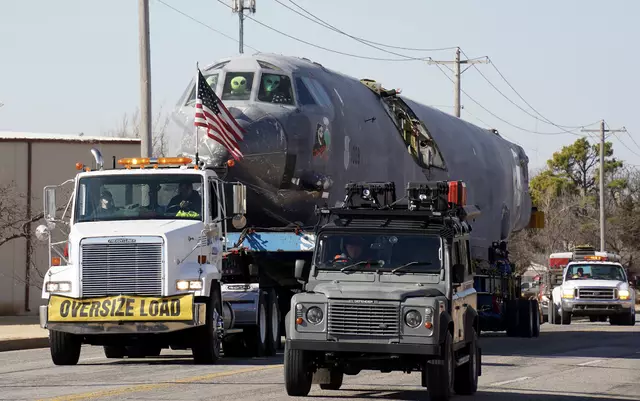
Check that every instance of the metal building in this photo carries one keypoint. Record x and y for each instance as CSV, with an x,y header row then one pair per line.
x,y
28,162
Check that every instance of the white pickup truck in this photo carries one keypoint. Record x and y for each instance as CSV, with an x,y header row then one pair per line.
x,y
596,286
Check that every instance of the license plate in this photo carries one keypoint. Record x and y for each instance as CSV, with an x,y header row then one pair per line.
x,y
120,308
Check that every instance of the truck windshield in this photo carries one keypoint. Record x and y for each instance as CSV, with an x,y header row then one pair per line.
x,y
400,253
139,197
597,272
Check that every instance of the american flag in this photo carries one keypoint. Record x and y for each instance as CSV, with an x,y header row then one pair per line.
x,y
214,116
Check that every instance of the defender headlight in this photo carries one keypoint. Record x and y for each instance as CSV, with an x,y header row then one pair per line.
x,y
58,286
413,318
185,285
314,315
567,293
623,294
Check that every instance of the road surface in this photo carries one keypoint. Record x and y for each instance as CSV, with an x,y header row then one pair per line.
x,y
583,361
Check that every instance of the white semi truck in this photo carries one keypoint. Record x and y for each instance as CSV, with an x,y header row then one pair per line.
x,y
591,284
136,259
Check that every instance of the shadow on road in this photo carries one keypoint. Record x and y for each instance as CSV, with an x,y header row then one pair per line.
x,y
186,359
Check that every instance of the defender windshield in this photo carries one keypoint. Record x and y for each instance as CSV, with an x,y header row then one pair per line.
x,y
597,272
400,253
139,197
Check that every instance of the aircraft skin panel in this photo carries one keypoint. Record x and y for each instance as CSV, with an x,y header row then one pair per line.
x,y
337,130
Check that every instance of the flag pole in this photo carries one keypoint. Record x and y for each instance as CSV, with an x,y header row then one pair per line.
x,y
196,110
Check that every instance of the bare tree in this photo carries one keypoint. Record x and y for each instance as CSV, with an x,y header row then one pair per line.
x,y
129,127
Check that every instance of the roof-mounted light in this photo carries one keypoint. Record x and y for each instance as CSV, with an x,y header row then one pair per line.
x,y
144,161
371,194
432,195
595,257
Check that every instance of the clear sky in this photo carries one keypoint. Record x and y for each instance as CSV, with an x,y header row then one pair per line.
x,y
71,66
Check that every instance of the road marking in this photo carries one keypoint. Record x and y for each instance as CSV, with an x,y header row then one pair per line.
x,y
590,362
519,379
156,386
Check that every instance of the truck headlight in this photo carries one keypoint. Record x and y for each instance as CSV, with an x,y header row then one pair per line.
x,y
567,293
58,286
623,294
413,318
314,315
185,285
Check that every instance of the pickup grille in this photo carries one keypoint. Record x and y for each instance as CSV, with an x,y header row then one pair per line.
x,y
596,293
122,268
363,319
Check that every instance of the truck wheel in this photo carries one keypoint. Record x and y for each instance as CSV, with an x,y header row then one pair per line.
x,y
593,319
207,341
525,326
602,319
336,377
565,317
438,375
535,310
512,317
466,376
233,346
273,334
297,373
65,347
114,351
256,336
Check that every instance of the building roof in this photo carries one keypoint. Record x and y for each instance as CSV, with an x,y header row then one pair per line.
x,y
9,136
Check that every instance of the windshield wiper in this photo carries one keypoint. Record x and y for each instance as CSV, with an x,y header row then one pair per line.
x,y
362,262
415,262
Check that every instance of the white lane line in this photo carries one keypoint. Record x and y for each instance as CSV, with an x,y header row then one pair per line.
x,y
590,362
519,379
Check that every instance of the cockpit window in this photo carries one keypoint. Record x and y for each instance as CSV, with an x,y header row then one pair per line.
x,y
275,88
304,95
212,80
237,86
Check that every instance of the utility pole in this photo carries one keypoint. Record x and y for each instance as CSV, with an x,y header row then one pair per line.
x,y
145,79
238,6
602,132
456,74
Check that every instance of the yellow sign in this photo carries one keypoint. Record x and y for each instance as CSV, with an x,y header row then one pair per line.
x,y
120,308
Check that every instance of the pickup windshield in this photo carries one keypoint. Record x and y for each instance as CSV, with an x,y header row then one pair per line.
x,y
397,253
595,272
139,197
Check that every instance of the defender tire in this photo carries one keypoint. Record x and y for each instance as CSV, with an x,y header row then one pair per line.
x,y
297,373
256,337
336,378
115,351
206,346
65,347
438,375
273,321
466,376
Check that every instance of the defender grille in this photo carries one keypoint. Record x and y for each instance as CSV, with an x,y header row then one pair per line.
x,y
596,293
123,268
363,319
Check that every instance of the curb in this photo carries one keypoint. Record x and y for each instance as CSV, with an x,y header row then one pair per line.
x,y
24,343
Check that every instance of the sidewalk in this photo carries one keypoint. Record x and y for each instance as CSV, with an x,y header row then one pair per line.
x,y
22,332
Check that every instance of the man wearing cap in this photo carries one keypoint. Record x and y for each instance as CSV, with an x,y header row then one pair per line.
x,y
352,249
187,199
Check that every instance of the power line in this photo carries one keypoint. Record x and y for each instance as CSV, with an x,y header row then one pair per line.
x,y
205,25
317,46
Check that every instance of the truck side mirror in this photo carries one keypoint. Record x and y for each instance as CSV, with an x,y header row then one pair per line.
x,y
239,199
299,270
50,203
458,273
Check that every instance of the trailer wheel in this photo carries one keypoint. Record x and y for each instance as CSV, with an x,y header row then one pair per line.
x,y
438,375
207,342
273,334
256,336
525,326
297,372
65,347
512,317
466,376
114,351
335,377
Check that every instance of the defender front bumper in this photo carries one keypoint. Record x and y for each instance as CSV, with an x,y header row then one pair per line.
x,y
124,327
595,307
368,348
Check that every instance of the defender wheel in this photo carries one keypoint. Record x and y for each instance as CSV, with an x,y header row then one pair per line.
x,y
65,347
256,337
336,378
297,372
273,334
438,375
466,376
114,351
207,342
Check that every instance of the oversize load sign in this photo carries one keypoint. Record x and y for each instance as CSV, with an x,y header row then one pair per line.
x,y
121,308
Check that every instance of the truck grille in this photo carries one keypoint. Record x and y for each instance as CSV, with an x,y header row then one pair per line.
x,y
363,319
122,268
596,293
